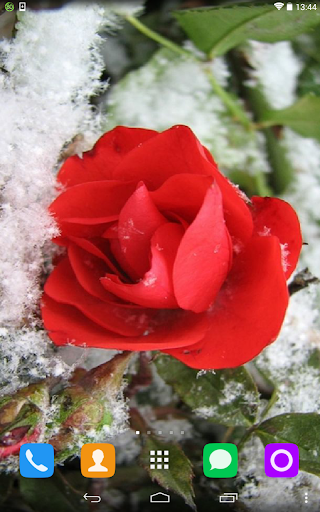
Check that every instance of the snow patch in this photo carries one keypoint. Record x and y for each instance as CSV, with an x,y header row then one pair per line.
x,y
261,493
276,68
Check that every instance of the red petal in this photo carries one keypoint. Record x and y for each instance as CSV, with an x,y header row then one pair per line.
x,y
98,200
248,312
89,267
203,257
236,212
276,217
66,325
182,194
155,290
63,287
178,151
100,248
138,220
174,151
122,261
99,163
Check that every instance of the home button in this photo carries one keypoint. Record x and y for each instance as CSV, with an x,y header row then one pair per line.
x,y
160,497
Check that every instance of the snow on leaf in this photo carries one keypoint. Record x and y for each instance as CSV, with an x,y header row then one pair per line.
x,y
226,397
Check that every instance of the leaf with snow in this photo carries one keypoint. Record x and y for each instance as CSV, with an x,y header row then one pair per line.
x,y
228,397
178,477
300,429
302,117
216,30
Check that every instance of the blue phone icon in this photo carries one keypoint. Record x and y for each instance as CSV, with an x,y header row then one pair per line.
x,y
36,460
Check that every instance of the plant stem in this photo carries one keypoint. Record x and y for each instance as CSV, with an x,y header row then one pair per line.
x,y
227,434
261,185
234,108
158,38
245,438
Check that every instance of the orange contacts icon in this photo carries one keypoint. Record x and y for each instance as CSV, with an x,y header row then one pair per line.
x,y
98,460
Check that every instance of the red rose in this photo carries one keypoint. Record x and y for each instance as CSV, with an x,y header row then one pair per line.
x,y
164,253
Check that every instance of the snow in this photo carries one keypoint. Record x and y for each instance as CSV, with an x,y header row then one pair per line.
x,y
261,493
304,193
53,67
276,69
287,361
291,362
116,10
26,355
171,90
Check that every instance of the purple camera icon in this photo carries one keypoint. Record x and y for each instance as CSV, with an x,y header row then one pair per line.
x,y
281,460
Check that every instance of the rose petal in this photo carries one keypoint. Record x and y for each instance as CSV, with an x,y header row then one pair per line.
x,y
178,151
100,248
182,194
236,212
67,325
138,220
62,286
174,151
203,257
155,290
99,163
100,200
275,217
248,312
89,268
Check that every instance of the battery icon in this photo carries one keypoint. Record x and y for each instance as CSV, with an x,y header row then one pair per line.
x,y
289,6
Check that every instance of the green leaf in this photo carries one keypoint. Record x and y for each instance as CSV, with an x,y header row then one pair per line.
x,y
228,397
178,477
216,30
300,429
6,485
302,117
309,80
53,494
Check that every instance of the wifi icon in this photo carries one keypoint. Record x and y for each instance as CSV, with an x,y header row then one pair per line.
x,y
278,5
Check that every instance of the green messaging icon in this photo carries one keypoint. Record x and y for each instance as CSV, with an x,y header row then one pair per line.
x,y
9,6
220,460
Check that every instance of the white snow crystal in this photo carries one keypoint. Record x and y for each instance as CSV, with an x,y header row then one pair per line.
x,y
53,67
276,69
304,192
286,361
26,355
